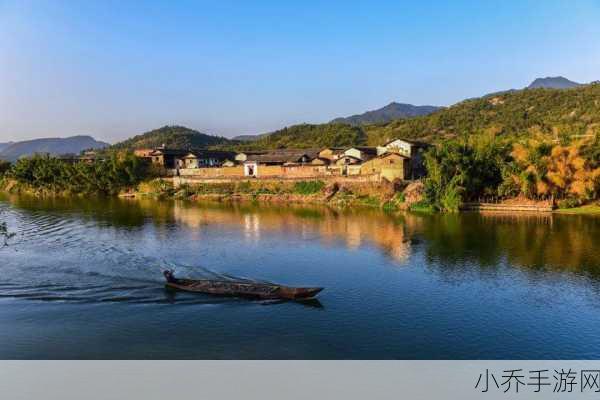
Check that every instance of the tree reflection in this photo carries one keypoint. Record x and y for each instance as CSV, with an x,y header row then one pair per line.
x,y
533,242
451,242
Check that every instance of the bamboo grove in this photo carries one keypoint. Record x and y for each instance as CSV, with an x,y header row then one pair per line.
x,y
476,167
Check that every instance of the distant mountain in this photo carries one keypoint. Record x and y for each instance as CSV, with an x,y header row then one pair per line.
x,y
557,82
388,113
5,145
553,114
171,136
53,146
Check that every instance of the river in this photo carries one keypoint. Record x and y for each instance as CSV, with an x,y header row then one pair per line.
x,y
82,280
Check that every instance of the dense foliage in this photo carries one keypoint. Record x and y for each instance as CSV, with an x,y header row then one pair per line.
x,y
178,137
308,187
4,167
386,114
551,113
309,136
102,177
556,114
462,170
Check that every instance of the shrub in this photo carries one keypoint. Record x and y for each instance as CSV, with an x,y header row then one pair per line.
x,y
422,206
4,167
451,198
308,187
568,203
102,177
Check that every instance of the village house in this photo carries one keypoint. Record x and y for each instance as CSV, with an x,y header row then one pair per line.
x,y
396,159
320,161
347,160
411,149
331,153
390,166
362,153
90,157
69,158
267,163
206,158
168,158
143,153
241,157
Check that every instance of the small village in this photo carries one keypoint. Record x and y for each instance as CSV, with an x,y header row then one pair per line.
x,y
398,159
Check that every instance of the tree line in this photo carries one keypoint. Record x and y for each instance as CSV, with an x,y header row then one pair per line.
x,y
43,172
474,167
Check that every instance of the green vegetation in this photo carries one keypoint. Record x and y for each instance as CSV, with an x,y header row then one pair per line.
x,y
537,144
255,188
463,170
394,203
178,137
308,187
4,167
368,201
553,114
422,207
587,209
536,169
308,136
52,175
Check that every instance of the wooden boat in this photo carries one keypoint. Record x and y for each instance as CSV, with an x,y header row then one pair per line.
x,y
240,289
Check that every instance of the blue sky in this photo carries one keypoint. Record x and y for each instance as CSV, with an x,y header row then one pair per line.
x,y
113,69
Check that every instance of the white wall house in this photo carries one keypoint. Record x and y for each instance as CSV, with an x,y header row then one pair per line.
x,y
399,146
250,168
362,153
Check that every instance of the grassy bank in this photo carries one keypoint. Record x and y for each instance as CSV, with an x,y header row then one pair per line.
x,y
591,209
363,194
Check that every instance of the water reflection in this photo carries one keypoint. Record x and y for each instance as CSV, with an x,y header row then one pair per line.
x,y
488,241
534,242
330,227
408,286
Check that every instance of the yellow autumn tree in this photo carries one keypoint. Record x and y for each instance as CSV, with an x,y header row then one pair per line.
x,y
569,174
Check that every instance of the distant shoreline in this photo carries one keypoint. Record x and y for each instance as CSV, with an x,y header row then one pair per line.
x,y
343,195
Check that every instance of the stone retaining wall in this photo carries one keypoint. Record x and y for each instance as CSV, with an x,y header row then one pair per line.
x,y
190,180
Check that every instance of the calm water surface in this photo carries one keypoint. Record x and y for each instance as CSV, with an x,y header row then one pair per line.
x,y
82,279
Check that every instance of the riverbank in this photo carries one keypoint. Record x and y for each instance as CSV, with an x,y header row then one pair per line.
x,y
589,209
340,194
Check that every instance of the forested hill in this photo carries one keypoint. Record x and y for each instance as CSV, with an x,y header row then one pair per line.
x,y
55,146
553,82
551,112
309,136
172,136
554,113
386,114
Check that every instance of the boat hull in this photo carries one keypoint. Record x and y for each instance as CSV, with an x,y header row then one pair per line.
x,y
244,289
